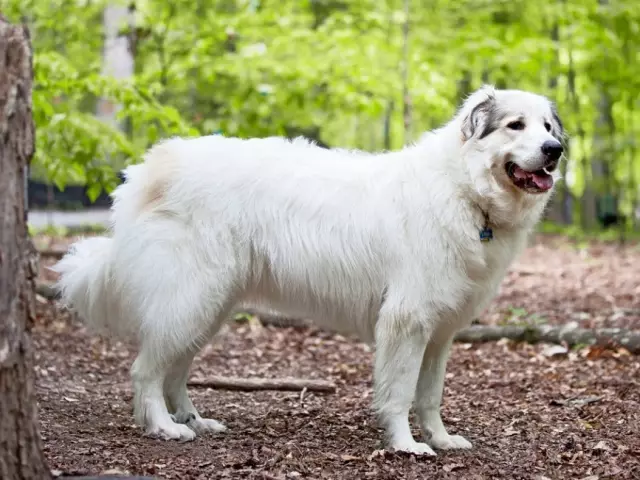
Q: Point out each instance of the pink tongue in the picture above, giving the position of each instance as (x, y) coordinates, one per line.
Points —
(519, 173)
(543, 182)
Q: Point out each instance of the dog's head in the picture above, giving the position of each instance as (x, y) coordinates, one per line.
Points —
(513, 140)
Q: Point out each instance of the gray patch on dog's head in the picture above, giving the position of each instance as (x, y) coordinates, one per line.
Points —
(492, 121)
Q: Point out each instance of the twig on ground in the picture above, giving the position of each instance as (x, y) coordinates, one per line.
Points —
(304, 390)
(107, 477)
(276, 320)
(252, 384)
(47, 291)
(56, 253)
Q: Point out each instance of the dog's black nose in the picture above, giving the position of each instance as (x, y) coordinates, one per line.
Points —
(552, 149)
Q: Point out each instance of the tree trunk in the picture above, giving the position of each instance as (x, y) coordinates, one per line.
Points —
(117, 58)
(599, 186)
(559, 210)
(21, 454)
(406, 96)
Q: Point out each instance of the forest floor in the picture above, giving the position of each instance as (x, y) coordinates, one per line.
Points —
(529, 414)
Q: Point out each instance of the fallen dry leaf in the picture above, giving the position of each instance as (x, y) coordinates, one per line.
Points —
(377, 454)
(349, 458)
(555, 351)
(601, 445)
(450, 467)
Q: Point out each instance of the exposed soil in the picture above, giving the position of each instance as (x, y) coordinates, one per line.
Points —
(529, 415)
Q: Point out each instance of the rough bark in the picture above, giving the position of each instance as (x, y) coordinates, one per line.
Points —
(21, 454)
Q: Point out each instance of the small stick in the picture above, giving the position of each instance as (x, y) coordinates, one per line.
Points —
(56, 253)
(253, 384)
(304, 390)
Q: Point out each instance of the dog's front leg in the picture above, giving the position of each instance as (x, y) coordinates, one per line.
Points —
(429, 395)
(399, 352)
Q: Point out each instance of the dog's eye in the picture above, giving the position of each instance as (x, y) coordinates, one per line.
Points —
(517, 125)
(547, 125)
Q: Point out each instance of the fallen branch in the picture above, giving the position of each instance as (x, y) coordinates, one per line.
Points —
(276, 320)
(106, 477)
(47, 291)
(253, 384)
(56, 253)
(569, 334)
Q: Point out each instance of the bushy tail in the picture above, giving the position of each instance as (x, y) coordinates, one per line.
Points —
(87, 287)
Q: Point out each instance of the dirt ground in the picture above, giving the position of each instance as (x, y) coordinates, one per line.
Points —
(529, 415)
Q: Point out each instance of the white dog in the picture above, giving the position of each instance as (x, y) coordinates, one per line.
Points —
(401, 248)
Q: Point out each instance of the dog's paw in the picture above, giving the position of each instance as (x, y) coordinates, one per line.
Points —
(205, 425)
(172, 431)
(450, 442)
(413, 447)
(197, 424)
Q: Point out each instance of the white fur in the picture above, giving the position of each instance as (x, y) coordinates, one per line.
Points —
(384, 246)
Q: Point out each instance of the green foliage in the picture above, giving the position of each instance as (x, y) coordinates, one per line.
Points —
(72, 144)
(267, 67)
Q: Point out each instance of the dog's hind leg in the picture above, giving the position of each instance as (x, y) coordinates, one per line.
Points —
(171, 338)
(429, 395)
(177, 283)
(148, 373)
(400, 345)
(178, 401)
(177, 322)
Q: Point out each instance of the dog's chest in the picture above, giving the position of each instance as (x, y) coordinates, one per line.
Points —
(490, 261)
(485, 270)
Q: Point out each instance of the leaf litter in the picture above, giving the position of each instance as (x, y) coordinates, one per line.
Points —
(530, 411)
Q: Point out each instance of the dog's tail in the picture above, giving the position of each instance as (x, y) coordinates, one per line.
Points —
(94, 280)
(86, 285)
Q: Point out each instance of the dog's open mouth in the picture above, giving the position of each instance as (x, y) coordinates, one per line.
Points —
(533, 182)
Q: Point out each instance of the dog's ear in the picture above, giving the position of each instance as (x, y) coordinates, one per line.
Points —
(477, 111)
(478, 118)
(558, 129)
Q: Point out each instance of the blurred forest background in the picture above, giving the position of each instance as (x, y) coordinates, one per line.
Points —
(113, 77)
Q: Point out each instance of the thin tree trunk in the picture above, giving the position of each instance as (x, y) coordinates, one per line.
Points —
(406, 97)
(559, 210)
(388, 114)
(117, 56)
(599, 187)
(21, 455)
(387, 126)
(584, 206)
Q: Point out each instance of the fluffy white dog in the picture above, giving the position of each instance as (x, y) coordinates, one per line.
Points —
(401, 248)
